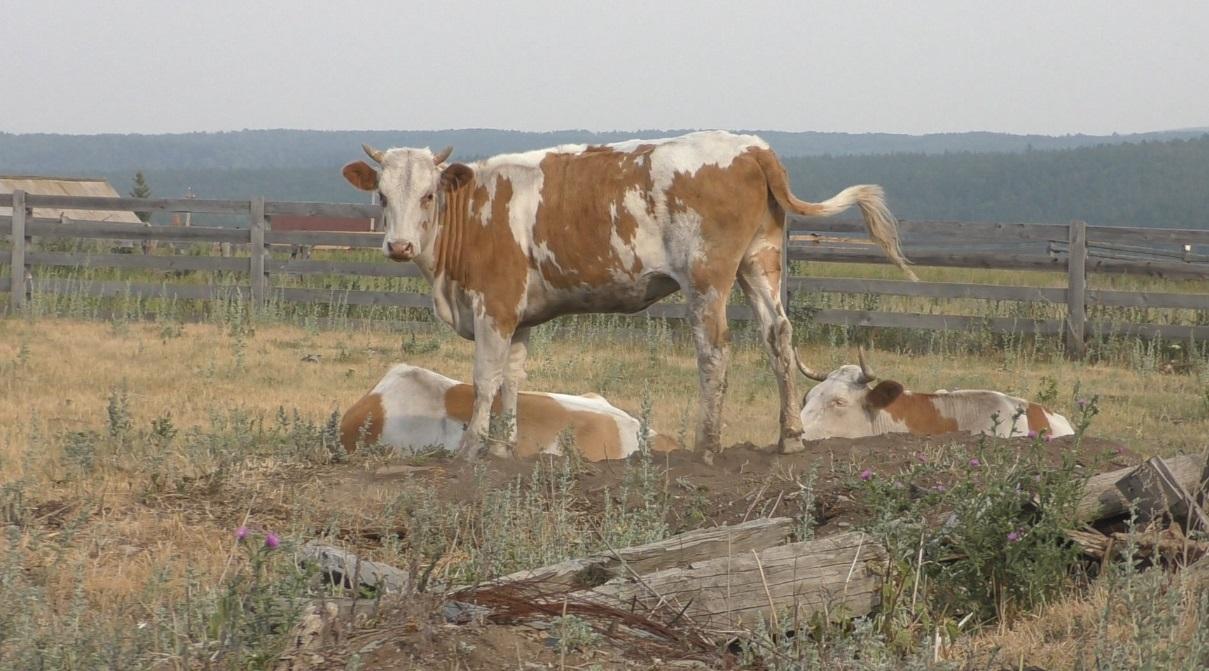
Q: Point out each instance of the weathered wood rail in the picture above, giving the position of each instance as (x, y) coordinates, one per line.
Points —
(1073, 250)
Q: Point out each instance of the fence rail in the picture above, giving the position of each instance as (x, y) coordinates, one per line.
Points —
(1074, 250)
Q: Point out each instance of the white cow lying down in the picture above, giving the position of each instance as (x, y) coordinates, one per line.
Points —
(413, 408)
(844, 405)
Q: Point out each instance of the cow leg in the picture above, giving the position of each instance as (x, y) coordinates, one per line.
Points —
(711, 335)
(491, 350)
(760, 278)
(514, 377)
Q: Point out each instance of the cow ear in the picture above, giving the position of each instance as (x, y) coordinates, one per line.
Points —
(360, 175)
(456, 176)
(883, 394)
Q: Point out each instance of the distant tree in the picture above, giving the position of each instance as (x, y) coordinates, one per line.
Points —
(141, 190)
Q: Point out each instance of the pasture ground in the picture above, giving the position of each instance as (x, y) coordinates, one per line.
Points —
(131, 451)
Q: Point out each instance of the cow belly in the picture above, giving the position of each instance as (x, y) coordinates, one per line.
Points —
(615, 297)
(411, 434)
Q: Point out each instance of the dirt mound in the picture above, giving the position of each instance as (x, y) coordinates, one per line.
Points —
(743, 482)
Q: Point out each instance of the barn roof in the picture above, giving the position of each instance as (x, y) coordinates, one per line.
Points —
(66, 186)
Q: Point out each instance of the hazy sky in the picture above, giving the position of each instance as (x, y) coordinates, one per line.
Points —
(910, 67)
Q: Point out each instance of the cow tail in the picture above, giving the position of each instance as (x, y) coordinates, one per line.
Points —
(870, 198)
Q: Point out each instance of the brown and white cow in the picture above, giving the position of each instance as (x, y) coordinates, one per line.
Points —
(413, 409)
(844, 405)
(515, 240)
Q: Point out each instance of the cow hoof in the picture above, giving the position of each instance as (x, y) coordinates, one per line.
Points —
(791, 445)
(500, 451)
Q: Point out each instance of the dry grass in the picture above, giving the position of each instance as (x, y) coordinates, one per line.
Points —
(71, 367)
(57, 375)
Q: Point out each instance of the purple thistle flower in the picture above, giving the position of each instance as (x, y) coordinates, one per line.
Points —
(923, 458)
(1015, 536)
(241, 533)
(1049, 437)
(939, 488)
(866, 474)
(1082, 403)
(1032, 434)
(271, 541)
(975, 462)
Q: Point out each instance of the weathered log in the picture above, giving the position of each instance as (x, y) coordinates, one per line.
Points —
(1092, 542)
(1101, 498)
(833, 577)
(345, 568)
(1157, 492)
(679, 550)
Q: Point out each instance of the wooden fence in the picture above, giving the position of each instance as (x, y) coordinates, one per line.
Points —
(1074, 249)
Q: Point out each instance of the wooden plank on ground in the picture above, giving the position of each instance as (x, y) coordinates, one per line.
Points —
(838, 577)
(1156, 492)
(348, 570)
(1101, 499)
(680, 550)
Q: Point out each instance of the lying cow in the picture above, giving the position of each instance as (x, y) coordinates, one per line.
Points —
(845, 406)
(414, 408)
(513, 241)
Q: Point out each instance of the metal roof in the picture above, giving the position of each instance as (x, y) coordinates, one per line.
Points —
(66, 186)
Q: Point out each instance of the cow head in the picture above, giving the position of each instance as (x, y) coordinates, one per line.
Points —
(846, 402)
(410, 185)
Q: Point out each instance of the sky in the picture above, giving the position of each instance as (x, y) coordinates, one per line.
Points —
(1019, 66)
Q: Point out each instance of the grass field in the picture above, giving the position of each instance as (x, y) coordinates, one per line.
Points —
(131, 450)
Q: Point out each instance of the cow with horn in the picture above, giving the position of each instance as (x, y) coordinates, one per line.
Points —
(515, 240)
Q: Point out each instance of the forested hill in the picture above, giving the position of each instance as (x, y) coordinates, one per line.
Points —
(1145, 183)
(85, 154)
(1163, 184)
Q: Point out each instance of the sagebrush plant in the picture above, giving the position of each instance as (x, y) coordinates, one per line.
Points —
(977, 534)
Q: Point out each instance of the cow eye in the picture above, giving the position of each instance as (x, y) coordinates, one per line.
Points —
(382, 199)
(426, 199)
(839, 402)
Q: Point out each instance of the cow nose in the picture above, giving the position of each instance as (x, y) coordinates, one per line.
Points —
(400, 251)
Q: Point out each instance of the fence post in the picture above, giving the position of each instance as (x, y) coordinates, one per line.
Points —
(17, 269)
(257, 252)
(1076, 290)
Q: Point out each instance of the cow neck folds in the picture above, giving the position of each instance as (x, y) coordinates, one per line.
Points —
(452, 215)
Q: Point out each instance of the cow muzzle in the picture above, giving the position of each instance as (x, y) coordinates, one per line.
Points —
(400, 251)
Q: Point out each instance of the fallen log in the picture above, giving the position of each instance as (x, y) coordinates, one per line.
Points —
(678, 550)
(348, 570)
(1092, 542)
(1158, 493)
(1101, 498)
(834, 577)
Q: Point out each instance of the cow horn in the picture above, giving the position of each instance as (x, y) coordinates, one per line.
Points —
(375, 154)
(866, 374)
(439, 157)
(806, 371)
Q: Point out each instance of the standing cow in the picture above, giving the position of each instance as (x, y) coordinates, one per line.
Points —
(515, 240)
